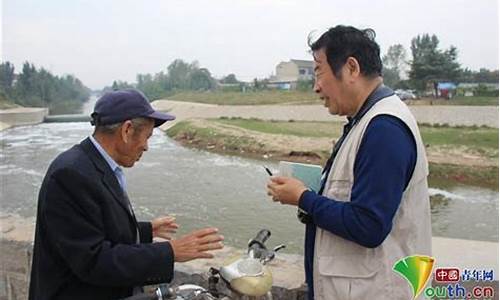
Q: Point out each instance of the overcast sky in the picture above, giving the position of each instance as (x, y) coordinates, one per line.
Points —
(100, 41)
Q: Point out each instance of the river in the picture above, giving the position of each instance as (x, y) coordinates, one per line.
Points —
(205, 189)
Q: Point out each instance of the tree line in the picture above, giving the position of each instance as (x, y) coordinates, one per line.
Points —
(182, 76)
(429, 64)
(179, 76)
(38, 87)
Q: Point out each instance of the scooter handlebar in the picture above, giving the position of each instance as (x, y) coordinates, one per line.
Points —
(260, 239)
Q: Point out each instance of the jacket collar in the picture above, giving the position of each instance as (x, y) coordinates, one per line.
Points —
(108, 177)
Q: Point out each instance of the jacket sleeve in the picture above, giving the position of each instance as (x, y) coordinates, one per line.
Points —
(73, 219)
(145, 232)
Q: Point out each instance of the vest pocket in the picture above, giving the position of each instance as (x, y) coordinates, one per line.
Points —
(349, 278)
(347, 266)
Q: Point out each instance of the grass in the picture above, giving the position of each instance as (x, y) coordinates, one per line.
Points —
(302, 129)
(445, 175)
(247, 98)
(475, 138)
(208, 138)
(474, 100)
(460, 100)
(6, 104)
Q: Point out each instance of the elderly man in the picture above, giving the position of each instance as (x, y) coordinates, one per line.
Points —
(88, 243)
(373, 206)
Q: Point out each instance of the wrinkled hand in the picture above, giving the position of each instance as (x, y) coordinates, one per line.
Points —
(164, 227)
(196, 244)
(286, 190)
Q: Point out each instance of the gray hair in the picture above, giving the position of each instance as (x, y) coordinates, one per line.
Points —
(137, 123)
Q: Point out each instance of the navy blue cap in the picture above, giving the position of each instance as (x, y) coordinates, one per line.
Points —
(118, 106)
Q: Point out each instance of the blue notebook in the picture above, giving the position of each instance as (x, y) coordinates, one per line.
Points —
(309, 174)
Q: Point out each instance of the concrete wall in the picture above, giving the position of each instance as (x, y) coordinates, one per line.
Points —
(287, 269)
(15, 262)
(22, 116)
(15, 268)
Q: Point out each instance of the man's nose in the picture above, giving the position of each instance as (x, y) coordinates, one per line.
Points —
(316, 88)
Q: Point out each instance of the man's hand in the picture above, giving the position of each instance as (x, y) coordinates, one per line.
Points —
(286, 190)
(164, 227)
(196, 244)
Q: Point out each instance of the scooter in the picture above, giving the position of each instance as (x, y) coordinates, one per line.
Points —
(245, 277)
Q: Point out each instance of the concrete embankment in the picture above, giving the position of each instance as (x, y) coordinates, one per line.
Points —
(16, 248)
(22, 116)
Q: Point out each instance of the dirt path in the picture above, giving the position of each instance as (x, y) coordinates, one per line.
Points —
(432, 114)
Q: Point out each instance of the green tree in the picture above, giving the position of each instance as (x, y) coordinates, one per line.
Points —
(120, 85)
(230, 79)
(395, 64)
(6, 77)
(486, 76)
(431, 64)
(179, 74)
(201, 79)
(41, 88)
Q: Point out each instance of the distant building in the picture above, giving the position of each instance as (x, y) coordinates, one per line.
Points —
(288, 73)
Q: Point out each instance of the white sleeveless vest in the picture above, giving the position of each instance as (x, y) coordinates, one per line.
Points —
(345, 270)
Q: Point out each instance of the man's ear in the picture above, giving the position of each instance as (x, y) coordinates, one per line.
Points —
(126, 131)
(353, 68)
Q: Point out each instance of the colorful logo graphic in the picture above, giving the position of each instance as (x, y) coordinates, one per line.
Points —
(416, 269)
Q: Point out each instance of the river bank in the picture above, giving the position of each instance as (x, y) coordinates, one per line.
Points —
(473, 161)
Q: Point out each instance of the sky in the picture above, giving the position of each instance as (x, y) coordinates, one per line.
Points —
(99, 41)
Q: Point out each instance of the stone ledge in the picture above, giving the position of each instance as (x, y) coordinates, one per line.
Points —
(287, 269)
(22, 116)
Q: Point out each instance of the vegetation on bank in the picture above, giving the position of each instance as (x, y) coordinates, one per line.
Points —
(443, 175)
(455, 144)
(4, 104)
(458, 100)
(38, 87)
(483, 140)
(472, 100)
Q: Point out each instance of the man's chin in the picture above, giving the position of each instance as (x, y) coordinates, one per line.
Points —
(333, 111)
(129, 164)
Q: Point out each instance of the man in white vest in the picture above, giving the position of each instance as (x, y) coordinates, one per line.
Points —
(373, 206)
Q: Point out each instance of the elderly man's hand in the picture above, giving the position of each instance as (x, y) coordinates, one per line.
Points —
(286, 190)
(196, 244)
(164, 227)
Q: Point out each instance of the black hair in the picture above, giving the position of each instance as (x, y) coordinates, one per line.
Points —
(342, 42)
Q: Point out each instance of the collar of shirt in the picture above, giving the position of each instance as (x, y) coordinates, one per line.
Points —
(120, 176)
